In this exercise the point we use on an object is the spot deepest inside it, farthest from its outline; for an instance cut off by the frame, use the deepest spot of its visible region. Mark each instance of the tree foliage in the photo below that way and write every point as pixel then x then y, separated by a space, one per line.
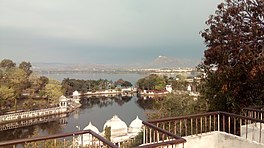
pixel 26 66
pixel 38 83
pixel 17 80
pixel 127 84
pixel 175 105
pixel 152 82
pixel 107 134
pixel 123 83
pixel 234 58
pixel 179 85
pixel 21 88
pixel 6 97
pixel 6 63
pixel 70 85
pixel 53 91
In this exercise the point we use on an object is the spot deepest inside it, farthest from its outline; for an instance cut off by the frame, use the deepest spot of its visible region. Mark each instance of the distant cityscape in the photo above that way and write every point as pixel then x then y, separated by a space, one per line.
pixel 159 64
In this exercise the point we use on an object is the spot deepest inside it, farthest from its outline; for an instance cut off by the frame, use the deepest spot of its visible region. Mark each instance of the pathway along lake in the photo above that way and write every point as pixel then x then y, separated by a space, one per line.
pixel 95 110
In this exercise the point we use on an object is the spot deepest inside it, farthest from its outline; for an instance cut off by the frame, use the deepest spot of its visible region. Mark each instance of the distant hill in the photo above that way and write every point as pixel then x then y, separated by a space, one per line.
pixel 73 67
pixel 158 62
pixel 169 62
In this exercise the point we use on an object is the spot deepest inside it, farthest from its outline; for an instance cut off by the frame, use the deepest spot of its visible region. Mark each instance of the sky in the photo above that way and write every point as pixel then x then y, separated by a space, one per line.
pixel 102 31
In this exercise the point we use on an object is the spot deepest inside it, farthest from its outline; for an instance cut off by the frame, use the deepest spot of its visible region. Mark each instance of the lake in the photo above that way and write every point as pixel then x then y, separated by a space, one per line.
pixel 131 77
pixel 95 110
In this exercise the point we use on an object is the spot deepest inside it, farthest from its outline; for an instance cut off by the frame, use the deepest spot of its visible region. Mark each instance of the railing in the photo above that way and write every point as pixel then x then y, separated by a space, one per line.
pixel 74 139
pixel 256 112
pixel 154 136
pixel 166 132
pixel 32 114
pixel 61 140
pixel 198 124
pixel 32 121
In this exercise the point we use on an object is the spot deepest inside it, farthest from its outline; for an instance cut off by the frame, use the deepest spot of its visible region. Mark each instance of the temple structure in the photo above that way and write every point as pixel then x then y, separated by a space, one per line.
pixel 120 132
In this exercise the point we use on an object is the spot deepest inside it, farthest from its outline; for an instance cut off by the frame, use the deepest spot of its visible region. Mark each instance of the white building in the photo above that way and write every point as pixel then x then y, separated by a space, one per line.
pixel 119 131
pixel 168 88
pixel 76 96
pixel 135 127
pixel 118 127
pixel 189 88
pixel 87 139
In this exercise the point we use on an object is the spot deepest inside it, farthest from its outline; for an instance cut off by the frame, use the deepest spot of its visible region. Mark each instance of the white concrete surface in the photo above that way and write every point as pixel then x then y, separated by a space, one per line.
pixel 219 140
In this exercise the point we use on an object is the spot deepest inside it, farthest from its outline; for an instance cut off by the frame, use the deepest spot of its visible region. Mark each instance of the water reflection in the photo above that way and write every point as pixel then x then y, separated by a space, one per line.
pixel 146 104
pixel 104 101
pixel 52 127
pixel 95 109
pixel 17 133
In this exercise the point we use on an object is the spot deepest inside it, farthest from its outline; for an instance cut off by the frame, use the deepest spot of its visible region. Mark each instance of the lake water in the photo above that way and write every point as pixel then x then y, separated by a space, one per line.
pixel 95 110
pixel 131 77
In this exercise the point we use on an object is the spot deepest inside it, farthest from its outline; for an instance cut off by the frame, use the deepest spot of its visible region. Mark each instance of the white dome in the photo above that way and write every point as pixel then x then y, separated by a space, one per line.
pixel 62 98
pixel 91 127
pixel 135 126
pixel 118 127
pixel 76 93
pixel 87 138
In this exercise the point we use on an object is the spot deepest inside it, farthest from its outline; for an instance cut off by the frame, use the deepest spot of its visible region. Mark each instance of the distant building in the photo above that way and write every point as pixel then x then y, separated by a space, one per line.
pixel 189 88
pixel 168 88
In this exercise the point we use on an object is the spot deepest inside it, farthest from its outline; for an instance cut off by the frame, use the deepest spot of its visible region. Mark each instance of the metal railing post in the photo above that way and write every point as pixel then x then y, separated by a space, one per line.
pixel 260 131
pixel 144 134
pixel 73 141
pixel 218 122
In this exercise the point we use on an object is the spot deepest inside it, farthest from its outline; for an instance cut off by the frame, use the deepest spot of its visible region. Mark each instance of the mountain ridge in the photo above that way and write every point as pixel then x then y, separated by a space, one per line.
pixel 158 62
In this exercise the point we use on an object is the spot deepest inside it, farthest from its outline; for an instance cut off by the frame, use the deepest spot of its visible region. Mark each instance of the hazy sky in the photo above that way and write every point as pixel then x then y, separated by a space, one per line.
pixel 102 31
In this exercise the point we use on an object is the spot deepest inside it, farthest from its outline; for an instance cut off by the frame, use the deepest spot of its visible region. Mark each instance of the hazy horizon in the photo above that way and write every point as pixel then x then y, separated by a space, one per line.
pixel 102 32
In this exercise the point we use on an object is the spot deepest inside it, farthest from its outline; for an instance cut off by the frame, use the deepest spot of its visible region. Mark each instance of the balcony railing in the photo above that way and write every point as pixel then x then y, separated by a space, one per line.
pixel 162 138
pixel 60 140
pixel 198 124
pixel 166 132
pixel 256 112
pixel 154 136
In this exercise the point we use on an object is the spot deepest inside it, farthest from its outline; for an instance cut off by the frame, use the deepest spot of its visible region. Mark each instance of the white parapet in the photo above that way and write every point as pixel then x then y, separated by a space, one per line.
pixel 253 131
pixel 218 139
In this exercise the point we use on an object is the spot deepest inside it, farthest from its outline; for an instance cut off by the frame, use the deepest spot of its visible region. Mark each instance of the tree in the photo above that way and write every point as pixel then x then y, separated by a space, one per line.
pixel 234 58
pixel 17 80
pixel 26 67
pixel 119 82
pixel 42 81
pixel 152 82
pixel 174 105
pixel 37 85
pixel 6 97
pixel 6 63
pixel 53 90
pixel 181 77
pixel 108 133
pixel 2 76
pixel 67 86
pixel 180 85
pixel 127 84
